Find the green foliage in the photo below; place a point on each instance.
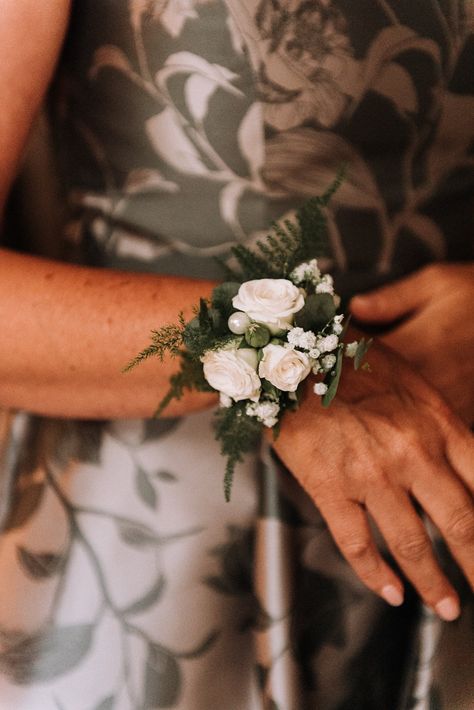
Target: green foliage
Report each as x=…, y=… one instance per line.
x=288, y=244
x=189, y=377
x=312, y=222
x=222, y=297
x=361, y=352
x=238, y=434
x=206, y=331
x=317, y=311
x=332, y=379
x=168, y=339
x=257, y=336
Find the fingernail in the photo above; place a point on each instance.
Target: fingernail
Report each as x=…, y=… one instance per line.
x=392, y=595
x=448, y=609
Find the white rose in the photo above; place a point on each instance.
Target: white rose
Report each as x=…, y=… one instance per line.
x=233, y=373
x=284, y=368
x=272, y=302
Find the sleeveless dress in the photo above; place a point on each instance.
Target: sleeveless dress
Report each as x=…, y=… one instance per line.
x=183, y=127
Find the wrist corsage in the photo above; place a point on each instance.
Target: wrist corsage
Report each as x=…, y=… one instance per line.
x=272, y=323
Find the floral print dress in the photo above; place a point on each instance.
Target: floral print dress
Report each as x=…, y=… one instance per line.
x=183, y=127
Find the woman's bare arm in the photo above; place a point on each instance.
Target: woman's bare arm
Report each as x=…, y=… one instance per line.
x=67, y=331
x=31, y=35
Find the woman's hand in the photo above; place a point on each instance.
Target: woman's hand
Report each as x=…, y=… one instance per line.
x=437, y=331
x=387, y=437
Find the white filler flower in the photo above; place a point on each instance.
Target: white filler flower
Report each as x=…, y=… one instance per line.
x=320, y=388
x=284, y=368
x=326, y=285
x=266, y=412
x=299, y=338
x=307, y=271
x=330, y=342
x=233, y=373
x=272, y=302
x=351, y=348
x=328, y=362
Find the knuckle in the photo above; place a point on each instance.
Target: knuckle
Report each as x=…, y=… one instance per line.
x=405, y=442
x=358, y=552
x=460, y=527
x=372, y=475
x=412, y=548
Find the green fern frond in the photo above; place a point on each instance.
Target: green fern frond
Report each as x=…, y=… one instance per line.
x=168, y=339
x=238, y=434
x=252, y=265
x=189, y=377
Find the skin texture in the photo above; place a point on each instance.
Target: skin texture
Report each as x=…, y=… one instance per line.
x=387, y=436
x=67, y=331
x=436, y=332
x=67, y=338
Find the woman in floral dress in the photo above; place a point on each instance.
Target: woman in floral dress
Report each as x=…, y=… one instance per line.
x=182, y=127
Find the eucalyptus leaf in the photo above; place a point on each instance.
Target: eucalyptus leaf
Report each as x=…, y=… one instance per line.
x=40, y=565
x=332, y=380
x=318, y=310
x=361, y=352
x=162, y=679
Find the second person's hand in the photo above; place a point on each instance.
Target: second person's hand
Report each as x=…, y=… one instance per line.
x=386, y=439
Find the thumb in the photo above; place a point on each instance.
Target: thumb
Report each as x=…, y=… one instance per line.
x=391, y=302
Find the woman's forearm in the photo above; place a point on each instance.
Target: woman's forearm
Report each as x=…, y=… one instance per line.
x=67, y=332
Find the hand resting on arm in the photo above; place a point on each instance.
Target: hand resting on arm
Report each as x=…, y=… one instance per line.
x=435, y=328
x=388, y=437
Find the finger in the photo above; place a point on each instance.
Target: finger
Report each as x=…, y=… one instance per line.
x=460, y=451
x=393, y=301
x=410, y=545
x=350, y=529
x=451, y=508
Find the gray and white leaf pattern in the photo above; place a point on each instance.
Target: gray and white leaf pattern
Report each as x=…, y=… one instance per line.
x=184, y=127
